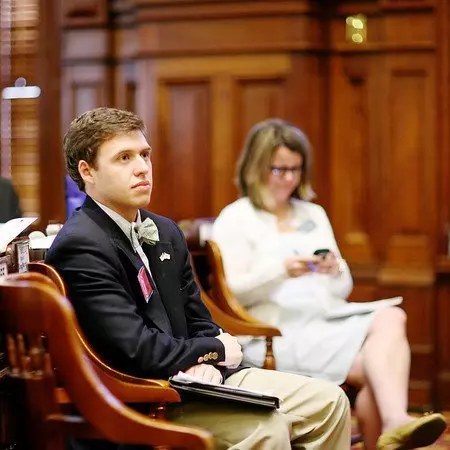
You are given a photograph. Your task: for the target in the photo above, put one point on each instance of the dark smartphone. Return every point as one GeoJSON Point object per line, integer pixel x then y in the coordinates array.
{"type": "Point", "coordinates": [321, 252]}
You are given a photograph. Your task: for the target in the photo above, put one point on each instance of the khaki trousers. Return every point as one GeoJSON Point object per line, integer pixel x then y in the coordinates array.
{"type": "Point", "coordinates": [313, 414]}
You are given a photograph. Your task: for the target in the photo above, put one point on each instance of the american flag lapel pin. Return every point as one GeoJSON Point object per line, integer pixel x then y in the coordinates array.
{"type": "Point", "coordinates": [164, 256]}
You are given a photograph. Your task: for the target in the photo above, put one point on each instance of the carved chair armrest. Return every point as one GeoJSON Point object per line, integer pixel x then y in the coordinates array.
{"type": "Point", "coordinates": [72, 426]}
{"type": "Point", "coordinates": [238, 326]}
{"type": "Point", "coordinates": [130, 393]}
{"type": "Point", "coordinates": [131, 427]}
{"type": "Point", "coordinates": [220, 292]}
{"type": "Point", "coordinates": [144, 392]}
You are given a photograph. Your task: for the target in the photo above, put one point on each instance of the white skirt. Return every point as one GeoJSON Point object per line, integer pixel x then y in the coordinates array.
{"type": "Point", "coordinates": [311, 344]}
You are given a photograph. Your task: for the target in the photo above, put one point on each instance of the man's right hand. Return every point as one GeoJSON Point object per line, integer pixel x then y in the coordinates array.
{"type": "Point", "coordinates": [233, 350]}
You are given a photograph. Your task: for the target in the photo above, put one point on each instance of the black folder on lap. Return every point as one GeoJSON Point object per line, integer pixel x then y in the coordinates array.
{"type": "Point", "coordinates": [223, 392]}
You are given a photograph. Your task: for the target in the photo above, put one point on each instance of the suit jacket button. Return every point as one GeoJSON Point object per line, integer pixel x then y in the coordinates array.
{"type": "Point", "coordinates": [215, 355]}
{"type": "Point", "coordinates": [206, 358]}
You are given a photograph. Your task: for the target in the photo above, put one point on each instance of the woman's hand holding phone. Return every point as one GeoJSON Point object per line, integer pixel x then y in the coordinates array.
{"type": "Point", "coordinates": [297, 265]}
{"type": "Point", "coordinates": [327, 263]}
{"type": "Point", "coordinates": [322, 261]}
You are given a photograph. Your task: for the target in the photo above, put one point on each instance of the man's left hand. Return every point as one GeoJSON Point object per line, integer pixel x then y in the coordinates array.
{"type": "Point", "coordinates": [205, 372]}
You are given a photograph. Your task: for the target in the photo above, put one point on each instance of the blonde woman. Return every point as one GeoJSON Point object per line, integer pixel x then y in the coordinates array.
{"type": "Point", "coordinates": [268, 239]}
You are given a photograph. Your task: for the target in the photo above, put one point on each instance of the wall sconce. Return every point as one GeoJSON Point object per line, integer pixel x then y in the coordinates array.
{"type": "Point", "coordinates": [20, 90]}
{"type": "Point", "coordinates": [356, 29]}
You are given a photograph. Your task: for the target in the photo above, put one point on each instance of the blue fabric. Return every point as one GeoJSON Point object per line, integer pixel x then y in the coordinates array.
{"type": "Point", "coordinates": [74, 197]}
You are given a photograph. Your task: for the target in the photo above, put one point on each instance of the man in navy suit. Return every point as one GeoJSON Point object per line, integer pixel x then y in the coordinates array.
{"type": "Point", "coordinates": [9, 201]}
{"type": "Point", "coordinates": [129, 278]}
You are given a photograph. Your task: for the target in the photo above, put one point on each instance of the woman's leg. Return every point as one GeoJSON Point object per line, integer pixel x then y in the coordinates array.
{"type": "Point", "coordinates": [386, 362]}
{"type": "Point", "coordinates": [366, 410]}
{"type": "Point", "coordinates": [368, 418]}
{"type": "Point", "coordinates": [381, 370]}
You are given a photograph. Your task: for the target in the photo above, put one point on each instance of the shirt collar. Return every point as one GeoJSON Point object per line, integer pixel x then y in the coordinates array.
{"type": "Point", "coordinates": [121, 222]}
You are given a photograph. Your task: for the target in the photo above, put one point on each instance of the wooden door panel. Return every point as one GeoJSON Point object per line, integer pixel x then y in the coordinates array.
{"type": "Point", "coordinates": [354, 154]}
{"type": "Point", "coordinates": [182, 175]}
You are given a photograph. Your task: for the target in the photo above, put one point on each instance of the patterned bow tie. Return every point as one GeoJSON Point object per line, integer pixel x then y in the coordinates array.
{"type": "Point", "coordinates": [146, 231]}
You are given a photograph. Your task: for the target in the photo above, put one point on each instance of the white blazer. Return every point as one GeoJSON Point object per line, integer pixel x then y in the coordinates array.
{"type": "Point", "coordinates": [250, 242]}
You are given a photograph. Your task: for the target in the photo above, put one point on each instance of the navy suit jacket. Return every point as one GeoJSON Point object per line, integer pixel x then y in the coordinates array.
{"type": "Point", "coordinates": [99, 265]}
{"type": "Point", "coordinates": [9, 201]}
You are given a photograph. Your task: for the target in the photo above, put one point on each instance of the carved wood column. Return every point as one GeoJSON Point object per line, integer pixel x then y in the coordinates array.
{"type": "Point", "coordinates": [51, 163]}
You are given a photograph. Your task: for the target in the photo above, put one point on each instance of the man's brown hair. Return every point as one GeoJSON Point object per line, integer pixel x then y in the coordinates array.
{"type": "Point", "coordinates": [90, 130]}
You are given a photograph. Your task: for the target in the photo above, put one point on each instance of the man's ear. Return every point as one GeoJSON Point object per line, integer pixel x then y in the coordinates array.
{"type": "Point", "coordinates": [86, 172]}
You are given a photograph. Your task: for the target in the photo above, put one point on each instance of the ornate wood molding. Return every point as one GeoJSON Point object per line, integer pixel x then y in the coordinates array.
{"type": "Point", "coordinates": [84, 13]}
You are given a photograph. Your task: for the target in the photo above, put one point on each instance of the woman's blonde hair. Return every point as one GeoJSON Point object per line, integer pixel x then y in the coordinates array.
{"type": "Point", "coordinates": [254, 163]}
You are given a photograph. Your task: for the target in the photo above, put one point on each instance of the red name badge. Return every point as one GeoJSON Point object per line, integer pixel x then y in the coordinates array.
{"type": "Point", "coordinates": [145, 284]}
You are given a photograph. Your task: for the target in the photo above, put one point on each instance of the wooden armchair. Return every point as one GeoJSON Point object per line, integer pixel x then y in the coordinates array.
{"type": "Point", "coordinates": [29, 310]}
{"type": "Point", "coordinates": [126, 387]}
{"type": "Point", "coordinates": [223, 305]}
{"type": "Point", "coordinates": [105, 372]}
{"type": "Point", "coordinates": [228, 303]}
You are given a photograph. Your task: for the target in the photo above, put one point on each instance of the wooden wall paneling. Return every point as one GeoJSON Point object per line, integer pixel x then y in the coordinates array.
{"type": "Point", "coordinates": [388, 32]}
{"type": "Point", "coordinates": [84, 13]}
{"type": "Point", "coordinates": [90, 46]}
{"type": "Point", "coordinates": [190, 33]}
{"type": "Point", "coordinates": [224, 148]}
{"type": "Point", "coordinates": [242, 48]}
{"type": "Point", "coordinates": [307, 107]}
{"type": "Point", "coordinates": [443, 338]}
{"type": "Point", "coordinates": [391, 5]}
{"type": "Point", "coordinates": [147, 98]}
{"type": "Point", "coordinates": [443, 200]}
{"type": "Point", "coordinates": [383, 93]}
{"type": "Point", "coordinates": [84, 87]}
{"type": "Point", "coordinates": [51, 163]}
{"type": "Point", "coordinates": [125, 86]}
{"type": "Point", "coordinates": [363, 290]}
{"type": "Point", "coordinates": [420, 306]}
{"type": "Point", "coordinates": [124, 45]}
{"type": "Point", "coordinates": [182, 163]}
{"type": "Point", "coordinates": [163, 10]}
{"type": "Point", "coordinates": [88, 71]}
{"type": "Point", "coordinates": [237, 85]}
{"type": "Point", "coordinates": [443, 124]}
{"type": "Point", "coordinates": [244, 66]}
{"type": "Point", "coordinates": [408, 185]}
{"type": "Point", "coordinates": [354, 156]}
{"type": "Point", "coordinates": [256, 99]}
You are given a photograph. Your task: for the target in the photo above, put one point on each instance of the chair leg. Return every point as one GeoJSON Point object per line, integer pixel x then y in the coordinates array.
{"type": "Point", "coordinates": [269, 362]}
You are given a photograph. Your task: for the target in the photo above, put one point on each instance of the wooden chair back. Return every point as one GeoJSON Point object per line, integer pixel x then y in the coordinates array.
{"type": "Point", "coordinates": [228, 322]}
{"type": "Point", "coordinates": [223, 305]}
{"type": "Point", "coordinates": [228, 302]}
{"type": "Point", "coordinates": [124, 386]}
{"type": "Point", "coordinates": [222, 294]}
{"type": "Point", "coordinates": [51, 273]}
{"type": "Point", "coordinates": [29, 310]}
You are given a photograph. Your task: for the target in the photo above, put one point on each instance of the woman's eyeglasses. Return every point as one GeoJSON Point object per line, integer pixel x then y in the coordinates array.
{"type": "Point", "coordinates": [281, 171]}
